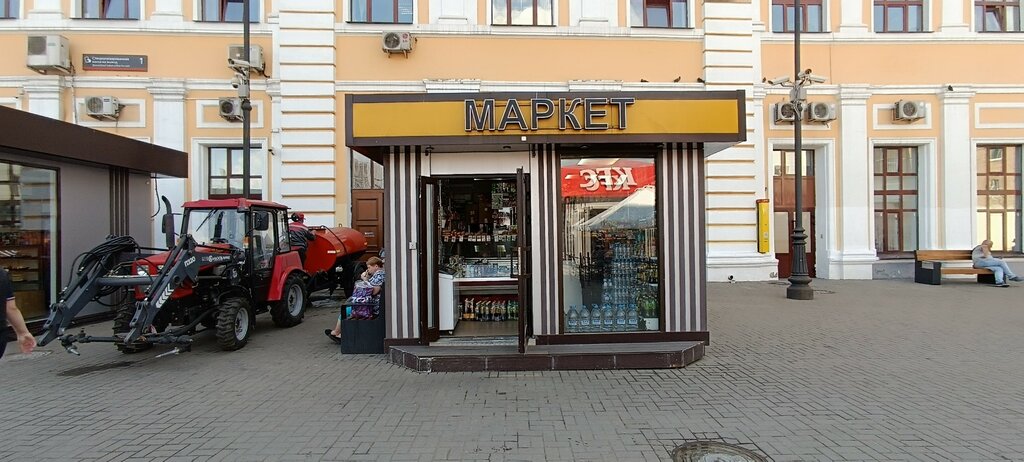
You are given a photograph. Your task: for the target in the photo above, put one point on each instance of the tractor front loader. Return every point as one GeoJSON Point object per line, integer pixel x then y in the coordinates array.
{"type": "Point", "coordinates": [231, 262]}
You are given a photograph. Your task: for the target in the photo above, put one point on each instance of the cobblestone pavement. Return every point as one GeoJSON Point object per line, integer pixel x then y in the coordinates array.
{"type": "Point", "coordinates": [869, 370]}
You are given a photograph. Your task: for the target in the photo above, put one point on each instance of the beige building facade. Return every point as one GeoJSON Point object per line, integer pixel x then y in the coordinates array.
{"type": "Point", "coordinates": [913, 141]}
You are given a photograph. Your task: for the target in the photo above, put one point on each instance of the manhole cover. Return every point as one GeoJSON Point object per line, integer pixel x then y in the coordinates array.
{"type": "Point", "coordinates": [22, 356]}
{"type": "Point", "coordinates": [714, 451]}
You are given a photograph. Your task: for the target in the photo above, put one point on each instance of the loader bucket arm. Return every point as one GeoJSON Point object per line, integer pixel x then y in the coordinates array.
{"type": "Point", "coordinates": [183, 264]}
{"type": "Point", "coordinates": [86, 284]}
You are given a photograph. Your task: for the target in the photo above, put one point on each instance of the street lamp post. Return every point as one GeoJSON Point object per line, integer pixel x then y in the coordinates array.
{"type": "Point", "coordinates": [799, 280]}
{"type": "Point", "coordinates": [246, 104]}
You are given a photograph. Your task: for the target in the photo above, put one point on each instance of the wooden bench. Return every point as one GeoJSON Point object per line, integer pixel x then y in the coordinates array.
{"type": "Point", "coordinates": [929, 266]}
{"type": "Point", "coordinates": [362, 336]}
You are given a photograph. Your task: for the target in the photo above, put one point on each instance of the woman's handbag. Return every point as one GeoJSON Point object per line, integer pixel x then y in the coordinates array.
{"type": "Point", "coordinates": [362, 301]}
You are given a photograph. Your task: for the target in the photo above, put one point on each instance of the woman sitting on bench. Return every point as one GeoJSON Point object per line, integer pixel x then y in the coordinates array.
{"type": "Point", "coordinates": [374, 276]}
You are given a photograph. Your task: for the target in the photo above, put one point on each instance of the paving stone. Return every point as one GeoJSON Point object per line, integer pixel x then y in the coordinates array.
{"type": "Point", "coordinates": [874, 370]}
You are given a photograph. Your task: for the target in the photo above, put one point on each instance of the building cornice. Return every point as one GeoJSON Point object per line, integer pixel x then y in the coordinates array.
{"type": "Point", "coordinates": [167, 89]}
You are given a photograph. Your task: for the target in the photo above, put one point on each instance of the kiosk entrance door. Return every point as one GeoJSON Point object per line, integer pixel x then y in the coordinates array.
{"type": "Point", "coordinates": [474, 246]}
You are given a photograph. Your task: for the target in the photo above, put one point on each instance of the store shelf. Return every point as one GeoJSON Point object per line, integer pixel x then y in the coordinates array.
{"type": "Point", "coordinates": [469, 281]}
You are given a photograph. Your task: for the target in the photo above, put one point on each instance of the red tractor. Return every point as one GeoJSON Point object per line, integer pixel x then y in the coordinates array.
{"type": "Point", "coordinates": [231, 262]}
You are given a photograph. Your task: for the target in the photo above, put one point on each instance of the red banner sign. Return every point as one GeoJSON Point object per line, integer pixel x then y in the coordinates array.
{"type": "Point", "coordinates": [605, 181]}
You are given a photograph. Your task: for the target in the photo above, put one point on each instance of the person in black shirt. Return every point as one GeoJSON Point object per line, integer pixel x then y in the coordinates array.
{"type": "Point", "coordinates": [299, 236]}
{"type": "Point", "coordinates": [12, 315]}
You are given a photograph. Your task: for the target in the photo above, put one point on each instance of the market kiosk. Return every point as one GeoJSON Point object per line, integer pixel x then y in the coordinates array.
{"type": "Point", "coordinates": [551, 218]}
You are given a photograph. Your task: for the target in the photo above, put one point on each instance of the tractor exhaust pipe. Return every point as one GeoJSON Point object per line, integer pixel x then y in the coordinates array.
{"type": "Point", "coordinates": [167, 223]}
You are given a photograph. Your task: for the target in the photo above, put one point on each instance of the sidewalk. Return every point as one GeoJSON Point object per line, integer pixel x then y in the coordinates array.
{"type": "Point", "coordinates": [869, 370]}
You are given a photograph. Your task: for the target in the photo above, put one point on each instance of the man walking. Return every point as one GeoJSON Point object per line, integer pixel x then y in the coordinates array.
{"type": "Point", "coordinates": [982, 257]}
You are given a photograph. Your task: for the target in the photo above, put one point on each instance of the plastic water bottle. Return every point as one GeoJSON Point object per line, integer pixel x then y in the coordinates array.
{"type": "Point", "coordinates": [584, 321]}
{"type": "Point", "coordinates": [608, 318]}
{"type": "Point", "coordinates": [573, 320]}
{"type": "Point", "coordinates": [595, 318]}
{"type": "Point", "coordinates": [632, 317]}
{"type": "Point", "coordinates": [620, 317]}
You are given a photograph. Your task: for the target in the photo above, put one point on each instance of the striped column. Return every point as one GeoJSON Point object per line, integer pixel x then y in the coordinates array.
{"type": "Point", "coordinates": [681, 196]}
{"type": "Point", "coordinates": [545, 180]}
{"type": "Point", "coordinates": [305, 49]}
{"type": "Point", "coordinates": [736, 176]}
{"type": "Point", "coordinates": [402, 167]}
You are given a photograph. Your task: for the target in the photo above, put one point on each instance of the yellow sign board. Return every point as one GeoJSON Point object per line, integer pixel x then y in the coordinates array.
{"type": "Point", "coordinates": [545, 118]}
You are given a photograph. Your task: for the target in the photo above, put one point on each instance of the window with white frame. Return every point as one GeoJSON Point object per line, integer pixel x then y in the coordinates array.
{"type": "Point", "coordinates": [997, 15]}
{"type": "Point", "coordinates": [660, 13]}
{"type": "Point", "coordinates": [899, 15]}
{"type": "Point", "coordinates": [225, 177]}
{"type": "Point", "coordinates": [8, 9]}
{"type": "Point", "coordinates": [522, 12]}
{"type": "Point", "coordinates": [999, 196]}
{"type": "Point", "coordinates": [109, 9]}
{"type": "Point", "coordinates": [382, 11]}
{"type": "Point", "coordinates": [784, 16]}
{"type": "Point", "coordinates": [227, 10]}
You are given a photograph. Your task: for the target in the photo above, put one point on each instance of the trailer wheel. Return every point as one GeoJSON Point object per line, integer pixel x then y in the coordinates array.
{"type": "Point", "coordinates": [289, 310]}
{"type": "Point", "coordinates": [234, 323]}
{"type": "Point", "coordinates": [122, 324]}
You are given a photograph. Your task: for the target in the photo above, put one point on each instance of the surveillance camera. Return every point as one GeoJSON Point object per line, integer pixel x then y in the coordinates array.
{"type": "Point", "coordinates": [815, 78]}
{"type": "Point", "coordinates": [779, 80]}
{"type": "Point", "coordinates": [239, 63]}
{"type": "Point", "coordinates": [235, 82]}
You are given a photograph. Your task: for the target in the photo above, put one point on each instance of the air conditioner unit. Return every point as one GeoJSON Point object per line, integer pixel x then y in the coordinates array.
{"type": "Point", "coordinates": [49, 53]}
{"type": "Point", "coordinates": [822, 112]}
{"type": "Point", "coordinates": [785, 112]}
{"type": "Point", "coordinates": [102, 107]}
{"type": "Point", "coordinates": [230, 108]}
{"type": "Point", "coordinates": [908, 110]}
{"type": "Point", "coordinates": [235, 54]}
{"type": "Point", "coordinates": [397, 42]}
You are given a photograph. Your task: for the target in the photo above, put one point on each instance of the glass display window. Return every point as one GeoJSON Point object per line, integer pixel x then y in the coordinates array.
{"type": "Point", "coordinates": [477, 227]}
{"type": "Point", "coordinates": [28, 220]}
{"type": "Point", "coordinates": [610, 245]}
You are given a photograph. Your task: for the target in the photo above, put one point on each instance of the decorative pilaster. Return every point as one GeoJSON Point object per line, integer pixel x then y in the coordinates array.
{"type": "Point", "coordinates": [169, 132]}
{"type": "Point", "coordinates": [953, 20]}
{"type": "Point", "coordinates": [44, 96]}
{"type": "Point", "coordinates": [855, 253]}
{"type": "Point", "coordinates": [46, 10]}
{"type": "Point", "coordinates": [167, 11]}
{"type": "Point", "coordinates": [274, 172]}
{"type": "Point", "coordinates": [735, 176]}
{"type": "Point", "coordinates": [852, 18]}
{"type": "Point", "coordinates": [957, 160]}
{"type": "Point", "coordinates": [308, 178]}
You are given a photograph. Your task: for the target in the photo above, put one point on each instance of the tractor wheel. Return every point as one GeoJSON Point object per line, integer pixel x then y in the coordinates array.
{"type": "Point", "coordinates": [289, 311]}
{"type": "Point", "coordinates": [122, 324]}
{"type": "Point", "coordinates": [234, 323]}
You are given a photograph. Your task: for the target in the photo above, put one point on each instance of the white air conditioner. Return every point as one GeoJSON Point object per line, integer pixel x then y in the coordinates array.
{"type": "Point", "coordinates": [908, 110]}
{"type": "Point", "coordinates": [230, 108]}
{"type": "Point", "coordinates": [102, 107]}
{"type": "Point", "coordinates": [397, 42]}
{"type": "Point", "coordinates": [235, 55]}
{"type": "Point", "coordinates": [49, 53]}
{"type": "Point", "coordinates": [785, 112]}
{"type": "Point", "coordinates": [822, 112]}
